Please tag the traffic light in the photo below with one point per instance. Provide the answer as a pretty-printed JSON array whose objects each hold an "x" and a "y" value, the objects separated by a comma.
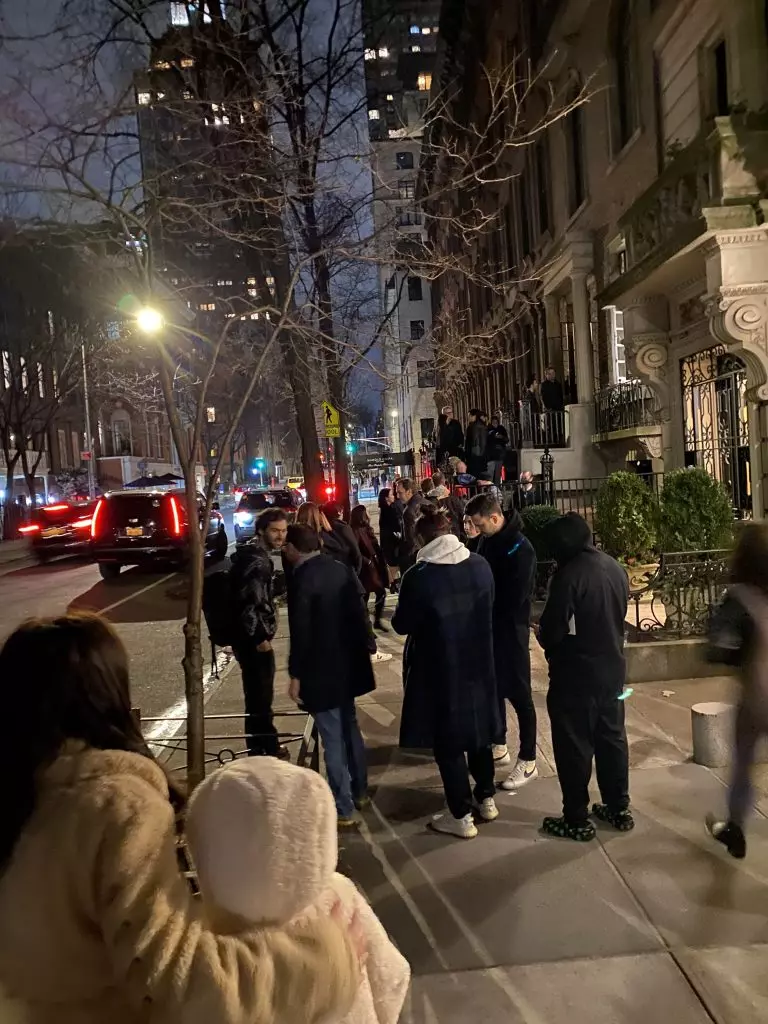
[
  {"x": 351, "y": 447},
  {"x": 260, "y": 464}
]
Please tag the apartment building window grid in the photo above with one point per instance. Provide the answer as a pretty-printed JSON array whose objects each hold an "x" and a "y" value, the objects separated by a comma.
[
  {"x": 415, "y": 293},
  {"x": 426, "y": 374},
  {"x": 406, "y": 189},
  {"x": 626, "y": 97},
  {"x": 417, "y": 330}
]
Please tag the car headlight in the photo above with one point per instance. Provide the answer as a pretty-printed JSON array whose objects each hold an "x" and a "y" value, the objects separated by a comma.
[{"x": 243, "y": 518}]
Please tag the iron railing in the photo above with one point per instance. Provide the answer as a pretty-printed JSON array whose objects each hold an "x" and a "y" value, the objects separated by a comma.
[
  {"x": 544, "y": 429},
  {"x": 675, "y": 600},
  {"x": 624, "y": 406}
]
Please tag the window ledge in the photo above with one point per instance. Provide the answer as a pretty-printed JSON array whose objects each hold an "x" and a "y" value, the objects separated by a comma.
[
  {"x": 628, "y": 145},
  {"x": 577, "y": 212}
]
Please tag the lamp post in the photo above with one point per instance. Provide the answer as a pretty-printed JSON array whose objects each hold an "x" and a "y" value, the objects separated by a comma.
[
  {"x": 394, "y": 427},
  {"x": 88, "y": 435}
]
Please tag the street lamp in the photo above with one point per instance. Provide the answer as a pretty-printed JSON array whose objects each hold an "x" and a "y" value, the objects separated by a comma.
[
  {"x": 149, "y": 320},
  {"x": 394, "y": 427}
]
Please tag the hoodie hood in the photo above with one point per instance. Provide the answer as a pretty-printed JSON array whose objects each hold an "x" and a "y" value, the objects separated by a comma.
[
  {"x": 262, "y": 834},
  {"x": 514, "y": 521},
  {"x": 446, "y": 550},
  {"x": 567, "y": 536}
]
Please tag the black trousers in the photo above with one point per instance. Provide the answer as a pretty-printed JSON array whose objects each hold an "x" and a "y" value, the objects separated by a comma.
[
  {"x": 515, "y": 686},
  {"x": 258, "y": 669},
  {"x": 587, "y": 725},
  {"x": 455, "y": 767},
  {"x": 378, "y": 604}
]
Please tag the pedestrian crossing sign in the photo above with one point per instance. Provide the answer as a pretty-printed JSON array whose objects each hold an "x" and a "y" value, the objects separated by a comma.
[{"x": 331, "y": 425}]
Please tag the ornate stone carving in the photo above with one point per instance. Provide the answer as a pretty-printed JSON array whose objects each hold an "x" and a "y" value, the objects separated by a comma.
[
  {"x": 738, "y": 317},
  {"x": 653, "y": 445},
  {"x": 648, "y": 358}
]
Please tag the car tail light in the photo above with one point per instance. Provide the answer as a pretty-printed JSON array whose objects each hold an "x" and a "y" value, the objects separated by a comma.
[
  {"x": 330, "y": 491},
  {"x": 175, "y": 517},
  {"x": 55, "y": 508},
  {"x": 32, "y": 528},
  {"x": 97, "y": 514},
  {"x": 82, "y": 524}
]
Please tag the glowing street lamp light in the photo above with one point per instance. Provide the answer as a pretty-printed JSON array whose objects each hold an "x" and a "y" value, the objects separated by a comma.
[{"x": 149, "y": 320}]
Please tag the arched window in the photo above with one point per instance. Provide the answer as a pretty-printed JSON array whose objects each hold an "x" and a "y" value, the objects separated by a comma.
[
  {"x": 625, "y": 57},
  {"x": 122, "y": 441}
]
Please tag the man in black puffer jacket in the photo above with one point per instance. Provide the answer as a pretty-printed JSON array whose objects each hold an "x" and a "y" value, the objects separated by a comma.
[
  {"x": 252, "y": 578},
  {"x": 513, "y": 563},
  {"x": 582, "y": 633}
]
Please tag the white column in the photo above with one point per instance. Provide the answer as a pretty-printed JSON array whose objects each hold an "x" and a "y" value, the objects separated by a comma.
[{"x": 585, "y": 387}]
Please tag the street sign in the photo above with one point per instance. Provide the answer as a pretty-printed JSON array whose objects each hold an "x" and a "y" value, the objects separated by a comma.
[
  {"x": 380, "y": 460},
  {"x": 331, "y": 425}
]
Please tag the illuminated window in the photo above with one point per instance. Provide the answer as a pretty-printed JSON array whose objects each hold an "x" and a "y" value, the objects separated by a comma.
[
  {"x": 40, "y": 381},
  {"x": 187, "y": 62},
  {"x": 426, "y": 31},
  {"x": 390, "y": 98},
  {"x": 144, "y": 99},
  {"x": 162, "y": 65},
  {"x": 370, "y": 55},
  {"x": 251, "y": 280},
  {"x": 425, "y": 82},
  {"x": 7, "y": 377},
  {"x": 210, "y": 414},
  {"x": 271, "y": 283},
  {"x": 179, "y": 14},
  {"x": 415, "y": 49},
  {"x": 253, "y": 292},
  {"x": 222, "y": 283},
  {"x": 415, "y": 30},
  {"x": 24, "y": 373},
  {"x": 254, "y": 316},
  {"x": 373, "y": 115},
  {"x": 383, "y": 51},
  {"x": 207, "y": 306}
]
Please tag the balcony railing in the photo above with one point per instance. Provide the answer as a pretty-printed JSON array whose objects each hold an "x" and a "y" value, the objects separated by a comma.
[
  {"x": 543, "y": 429},
  {"x": 712, "y": 169},
  {"x": 625, "y": 406}
]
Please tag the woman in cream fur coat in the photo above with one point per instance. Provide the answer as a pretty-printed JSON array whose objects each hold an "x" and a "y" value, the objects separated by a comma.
[
  {"x": 263, "y": 837},
  {"x": 97, "y": 926}
]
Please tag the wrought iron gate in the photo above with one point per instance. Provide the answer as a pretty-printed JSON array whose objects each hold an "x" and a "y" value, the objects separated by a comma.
[{"x": 716, "y": 421}]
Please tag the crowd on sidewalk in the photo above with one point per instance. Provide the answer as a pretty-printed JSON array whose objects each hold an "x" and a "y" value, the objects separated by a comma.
[{"x": 107, "y": 927}]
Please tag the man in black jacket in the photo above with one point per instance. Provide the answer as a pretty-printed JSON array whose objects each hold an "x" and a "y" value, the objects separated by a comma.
[
  {"x": 449, "y": 437},
  {"x": 329, "y": 664},
  {"x": 252, "y": 579},
  {"x": 342, "y": 545},
  {"x": 513, "y": 563},
  {"x": 412, "y": 500},
  {"x": 582, "y": 633}
]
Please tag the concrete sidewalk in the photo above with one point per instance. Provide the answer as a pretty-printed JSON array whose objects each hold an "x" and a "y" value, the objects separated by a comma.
[{"x": 517, "y": 928}]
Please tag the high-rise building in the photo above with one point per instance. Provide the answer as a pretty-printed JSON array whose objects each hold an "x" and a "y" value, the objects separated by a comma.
[{"x": 400, "y": 44}]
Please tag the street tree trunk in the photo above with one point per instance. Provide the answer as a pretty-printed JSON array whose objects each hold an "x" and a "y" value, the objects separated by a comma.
[
  {"x": 192, "y": 662},
  {"x": 296, "y": 364}
]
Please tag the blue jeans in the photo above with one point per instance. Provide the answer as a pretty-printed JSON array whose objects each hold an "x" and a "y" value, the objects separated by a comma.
[{"x": 344, "y": 756}]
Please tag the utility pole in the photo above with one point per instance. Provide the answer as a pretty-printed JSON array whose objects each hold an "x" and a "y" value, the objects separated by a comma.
[{"x": 88, "y": 435}]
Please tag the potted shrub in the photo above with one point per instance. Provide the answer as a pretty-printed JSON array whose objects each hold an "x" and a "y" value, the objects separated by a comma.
[
  {"x": 535, "y": 520},
  {"x": 695, "y": 512},
  {"x": 626, "y": 513}
]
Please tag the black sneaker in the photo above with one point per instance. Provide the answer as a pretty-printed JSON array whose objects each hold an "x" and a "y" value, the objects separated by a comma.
[
  {"x": 381, "y": 626},
  {"x": 621, "y": 820},
  {"x": 730, "y": 835},
  {"x": 563, "y": 830}
]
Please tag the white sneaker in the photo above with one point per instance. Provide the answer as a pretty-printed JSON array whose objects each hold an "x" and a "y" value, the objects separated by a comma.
[
  {"x": 523, "y": 773},
  {"x": 463, "y": 828},
  {"x": 380, "y": 657},
  {"x": 487, "y": 809},
  {"x": 501, "y": 754}
]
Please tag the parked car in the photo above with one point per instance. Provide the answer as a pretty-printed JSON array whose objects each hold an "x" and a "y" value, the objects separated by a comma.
[
  {"x": 63, "y": 528},
  {"x": 253, "y": 503},
  {"x": 144, "y": 527}
]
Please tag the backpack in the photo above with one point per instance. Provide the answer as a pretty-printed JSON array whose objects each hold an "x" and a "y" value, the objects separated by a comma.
[{"x": 219, "y": 608}]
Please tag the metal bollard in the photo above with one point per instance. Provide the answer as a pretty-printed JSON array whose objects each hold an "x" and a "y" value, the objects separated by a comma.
[{"x": 712, "y": 726}]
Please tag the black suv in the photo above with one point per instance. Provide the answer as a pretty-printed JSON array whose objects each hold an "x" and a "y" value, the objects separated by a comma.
[
  {"x": 143, "y": 527},
  {"x": 253, "y": 503},
  {"x": 63, "y": 528}
]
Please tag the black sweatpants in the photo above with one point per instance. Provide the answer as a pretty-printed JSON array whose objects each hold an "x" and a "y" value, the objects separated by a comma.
[
  {"x": 585, "y": 725},
  {"x": 514, "y": 686},
  {"x": 378, "y": 605},
  {"x": 258, "y": 669},
  {"x": 455, "y": 767}
]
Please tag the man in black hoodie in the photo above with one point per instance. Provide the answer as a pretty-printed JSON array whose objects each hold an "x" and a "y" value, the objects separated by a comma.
[
  {"x": 582, "y": 633},
  {"x": 513, "y": 563},
  {"x": 252, "y": 579}
]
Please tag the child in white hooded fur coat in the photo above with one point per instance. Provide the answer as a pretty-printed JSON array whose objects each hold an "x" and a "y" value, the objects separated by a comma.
[{"x": 263, "y": 837}]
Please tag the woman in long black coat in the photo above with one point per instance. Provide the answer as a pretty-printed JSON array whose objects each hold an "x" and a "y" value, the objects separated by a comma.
[
  {"x": 390, "y": 526},
  {"x": 450, "y": 705},
  {"x": 373, "y": 574}
]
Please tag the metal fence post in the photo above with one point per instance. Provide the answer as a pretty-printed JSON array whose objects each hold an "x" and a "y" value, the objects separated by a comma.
[{"x": 548, "y": 476}]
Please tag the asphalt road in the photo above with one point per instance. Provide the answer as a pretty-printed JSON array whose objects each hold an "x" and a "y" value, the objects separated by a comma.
[{"x": 147, "y": 609}]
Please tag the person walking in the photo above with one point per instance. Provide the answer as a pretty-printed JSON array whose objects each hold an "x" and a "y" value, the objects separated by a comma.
[
  {"x": 97, "y": 923},
  {"x": 413, "y": 503},
  {"x": 582, "y": 633},
  {"x": 252, "y": 580},
  {"x": 329, "y": 663},
  {"x": 449, "y": 438},
  {"x": 373, "y": 575},
  {"x": 390, "y": 529},
  {"x": 498, "y": 442},
  {"x": 513, "y": 564},
  {"x": 341, "y": 544},
  {"x": 450, "y": 706},
  {"x": 476, "y": 444},
  {"x": 738, "y": 637}
]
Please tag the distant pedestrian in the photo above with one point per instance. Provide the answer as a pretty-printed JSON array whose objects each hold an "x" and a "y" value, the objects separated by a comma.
[
  {"x": 374, "y": 575},
  {"x": 450, "y": 706},
  {"x": 530, "y": 411},
  {"x": 263, "y": 839},
  {"x": 329, "y": 663},
  {"x": 528, "y": 492},
  {"x": 449, "y": 438},
  {"x": 582, "y": 633},
  {"x": 739, "y": 638},
  {"x": 252, "y": 580},
  {"x": 498, "y": 442},
  {"x": 513, "y": 563},
  {"x": 413, "y": 502},
  {"x": 376, "y": 485},
  {"x": 476, "y": 444},
  {"x": 390, "y": 529},
  {"x": 552, "y": 396}
]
